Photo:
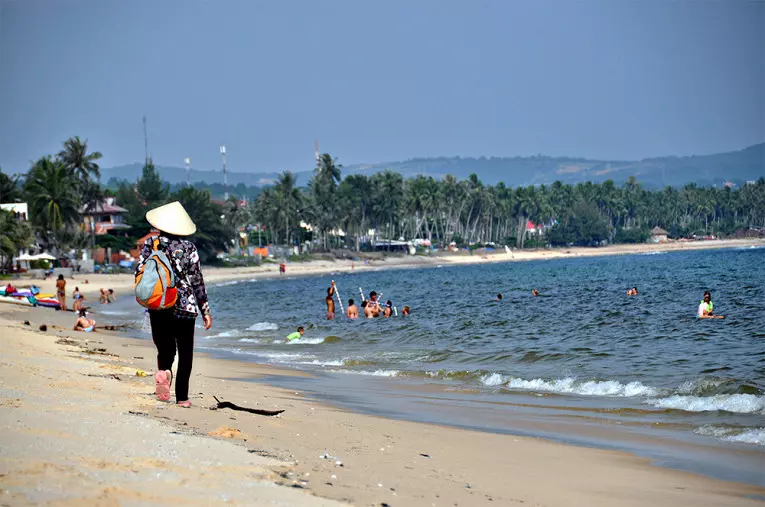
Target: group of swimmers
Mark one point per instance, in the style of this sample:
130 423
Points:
371 307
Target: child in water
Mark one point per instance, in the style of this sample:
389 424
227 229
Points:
706 307
297 334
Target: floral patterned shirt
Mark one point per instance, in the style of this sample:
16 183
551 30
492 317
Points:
192 295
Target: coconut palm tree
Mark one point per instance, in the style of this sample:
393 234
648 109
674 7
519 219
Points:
288 201
76 158
51 191
9 187
17 235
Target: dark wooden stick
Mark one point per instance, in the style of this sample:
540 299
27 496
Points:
232 406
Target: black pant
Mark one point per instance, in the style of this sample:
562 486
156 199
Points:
168 332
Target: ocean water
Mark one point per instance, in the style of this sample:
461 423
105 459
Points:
582 356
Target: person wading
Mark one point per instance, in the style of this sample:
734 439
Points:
173 328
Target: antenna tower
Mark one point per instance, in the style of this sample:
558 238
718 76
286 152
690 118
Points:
225 171
188 171
145 140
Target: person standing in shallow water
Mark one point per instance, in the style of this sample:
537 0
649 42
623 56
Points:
173 329
330 300
352 311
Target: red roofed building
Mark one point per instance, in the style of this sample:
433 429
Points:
104 217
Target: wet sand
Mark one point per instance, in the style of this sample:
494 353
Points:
69 438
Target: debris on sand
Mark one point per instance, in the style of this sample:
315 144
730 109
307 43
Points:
228 404
226 432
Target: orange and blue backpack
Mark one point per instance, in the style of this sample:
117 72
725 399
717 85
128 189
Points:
155 281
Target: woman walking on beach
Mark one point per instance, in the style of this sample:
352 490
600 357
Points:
173 328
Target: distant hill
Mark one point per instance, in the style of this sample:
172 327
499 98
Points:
707 170
173 175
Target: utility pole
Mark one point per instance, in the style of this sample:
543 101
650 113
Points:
225 172
188 171
316 150
145 141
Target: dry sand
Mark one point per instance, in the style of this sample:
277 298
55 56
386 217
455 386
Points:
69 438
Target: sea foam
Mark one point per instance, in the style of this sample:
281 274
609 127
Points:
571 385
754 436
738 403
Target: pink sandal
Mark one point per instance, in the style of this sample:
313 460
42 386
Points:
162 385
184 404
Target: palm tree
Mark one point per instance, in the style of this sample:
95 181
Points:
16 236
76 158
323 188
51 191
9 187
288 199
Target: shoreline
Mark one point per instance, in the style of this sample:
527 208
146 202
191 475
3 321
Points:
383 460
215 275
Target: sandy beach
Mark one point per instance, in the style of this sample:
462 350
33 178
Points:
80 428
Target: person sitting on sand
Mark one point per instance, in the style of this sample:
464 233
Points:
388 311
534 292
706 307
330 300
78 299
84 323
352 311
405 311
297 334
632 292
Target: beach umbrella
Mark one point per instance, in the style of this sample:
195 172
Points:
44 257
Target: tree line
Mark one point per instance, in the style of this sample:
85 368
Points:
470 212
359 210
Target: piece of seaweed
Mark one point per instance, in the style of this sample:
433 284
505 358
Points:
232 406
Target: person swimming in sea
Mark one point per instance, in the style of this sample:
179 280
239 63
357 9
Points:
83 323
294 336
388 311
373 304
405 311
366 309
352 311
534 292
330 300
706 308
497 299
632 292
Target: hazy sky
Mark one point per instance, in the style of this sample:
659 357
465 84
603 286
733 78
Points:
379 80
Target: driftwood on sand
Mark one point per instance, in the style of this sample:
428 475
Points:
228 404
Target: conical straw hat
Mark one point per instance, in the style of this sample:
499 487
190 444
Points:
172 219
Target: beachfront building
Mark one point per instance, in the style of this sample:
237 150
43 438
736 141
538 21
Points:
104 217
659 235
19 210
